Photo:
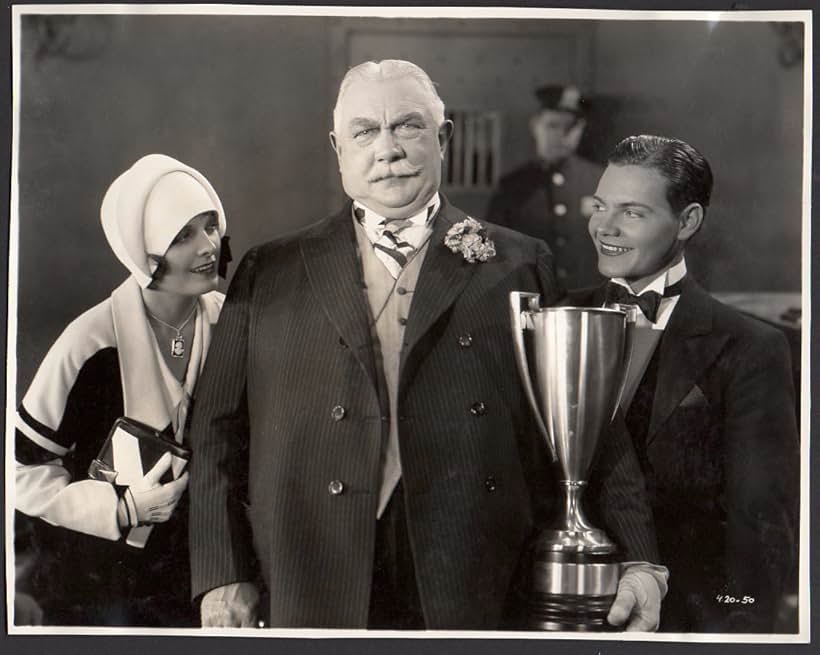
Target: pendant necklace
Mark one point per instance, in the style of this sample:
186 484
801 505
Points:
178 342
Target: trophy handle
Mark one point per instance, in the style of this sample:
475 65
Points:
629 339
517 313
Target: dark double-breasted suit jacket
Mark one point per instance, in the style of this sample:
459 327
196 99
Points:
721 461
290 418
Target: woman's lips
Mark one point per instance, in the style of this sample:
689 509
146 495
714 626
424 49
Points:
205 269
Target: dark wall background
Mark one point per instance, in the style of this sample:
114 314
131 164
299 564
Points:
247 100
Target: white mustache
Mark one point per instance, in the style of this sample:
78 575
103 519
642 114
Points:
404 170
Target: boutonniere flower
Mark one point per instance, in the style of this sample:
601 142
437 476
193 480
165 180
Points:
469 238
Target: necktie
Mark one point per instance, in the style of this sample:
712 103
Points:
648 301
390 248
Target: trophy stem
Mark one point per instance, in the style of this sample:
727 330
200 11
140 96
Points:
574 518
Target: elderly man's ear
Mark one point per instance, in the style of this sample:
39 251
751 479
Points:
445 133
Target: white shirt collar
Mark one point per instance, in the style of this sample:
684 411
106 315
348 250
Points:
374 223
666 278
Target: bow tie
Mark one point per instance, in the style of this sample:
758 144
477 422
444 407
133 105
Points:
648 302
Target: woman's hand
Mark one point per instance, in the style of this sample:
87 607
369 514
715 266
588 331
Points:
148 501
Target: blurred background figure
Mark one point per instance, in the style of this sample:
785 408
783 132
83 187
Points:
550 197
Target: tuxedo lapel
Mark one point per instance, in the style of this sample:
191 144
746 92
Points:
442 278
687 348
335 276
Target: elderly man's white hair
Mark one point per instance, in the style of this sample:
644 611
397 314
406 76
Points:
390 69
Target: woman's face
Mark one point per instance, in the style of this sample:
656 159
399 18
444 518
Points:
191 259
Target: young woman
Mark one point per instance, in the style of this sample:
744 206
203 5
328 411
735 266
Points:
137 354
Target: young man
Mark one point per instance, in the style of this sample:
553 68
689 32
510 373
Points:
709 400
361 438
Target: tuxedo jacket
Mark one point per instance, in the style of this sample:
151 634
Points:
290 419
529 200
721 461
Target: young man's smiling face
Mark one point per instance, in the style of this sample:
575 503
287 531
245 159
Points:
635 230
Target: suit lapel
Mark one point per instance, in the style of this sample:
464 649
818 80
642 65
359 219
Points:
442 278
688 347
335 276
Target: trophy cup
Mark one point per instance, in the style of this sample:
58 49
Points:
580 358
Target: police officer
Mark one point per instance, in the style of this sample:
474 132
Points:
550 197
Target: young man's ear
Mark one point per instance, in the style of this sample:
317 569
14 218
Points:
691 219
445 133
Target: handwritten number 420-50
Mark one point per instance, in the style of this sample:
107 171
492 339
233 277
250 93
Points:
731 600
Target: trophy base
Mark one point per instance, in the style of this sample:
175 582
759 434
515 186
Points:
572 592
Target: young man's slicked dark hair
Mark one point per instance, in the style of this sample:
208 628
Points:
687 171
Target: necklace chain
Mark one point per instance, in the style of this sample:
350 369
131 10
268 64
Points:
173 327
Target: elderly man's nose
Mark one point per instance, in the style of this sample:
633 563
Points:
387 147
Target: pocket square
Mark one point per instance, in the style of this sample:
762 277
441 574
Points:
695 398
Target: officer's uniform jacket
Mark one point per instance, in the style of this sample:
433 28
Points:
553 204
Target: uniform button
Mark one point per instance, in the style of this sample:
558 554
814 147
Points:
560 209
560 242
478 409
335 487
465 340
402 321
337 413
562 272
401 291
489 484
558 179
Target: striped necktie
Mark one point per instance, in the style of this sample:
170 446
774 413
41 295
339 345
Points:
390 248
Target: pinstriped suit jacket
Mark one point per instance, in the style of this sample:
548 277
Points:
293 343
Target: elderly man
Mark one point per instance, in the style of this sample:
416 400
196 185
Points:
710 402
362 444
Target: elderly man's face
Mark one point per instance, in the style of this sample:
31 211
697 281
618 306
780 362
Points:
389 146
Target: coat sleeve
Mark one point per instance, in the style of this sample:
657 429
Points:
51 420
761 486
220 541
618 496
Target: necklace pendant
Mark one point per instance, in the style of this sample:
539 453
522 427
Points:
178 347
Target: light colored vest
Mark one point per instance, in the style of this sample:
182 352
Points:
390 300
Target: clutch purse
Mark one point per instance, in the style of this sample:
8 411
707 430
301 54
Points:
128 453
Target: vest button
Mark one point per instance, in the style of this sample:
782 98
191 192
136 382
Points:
490 484
478 409
337 413
558 179
465 340
335 487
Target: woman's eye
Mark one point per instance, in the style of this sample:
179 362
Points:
212 227
183 235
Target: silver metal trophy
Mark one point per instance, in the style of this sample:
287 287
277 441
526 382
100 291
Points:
580 357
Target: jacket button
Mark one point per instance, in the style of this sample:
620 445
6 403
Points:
335 487
465 340
560 209
478 409
401 291
337 413
562 272
560 241
558 179
489 484
402 321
